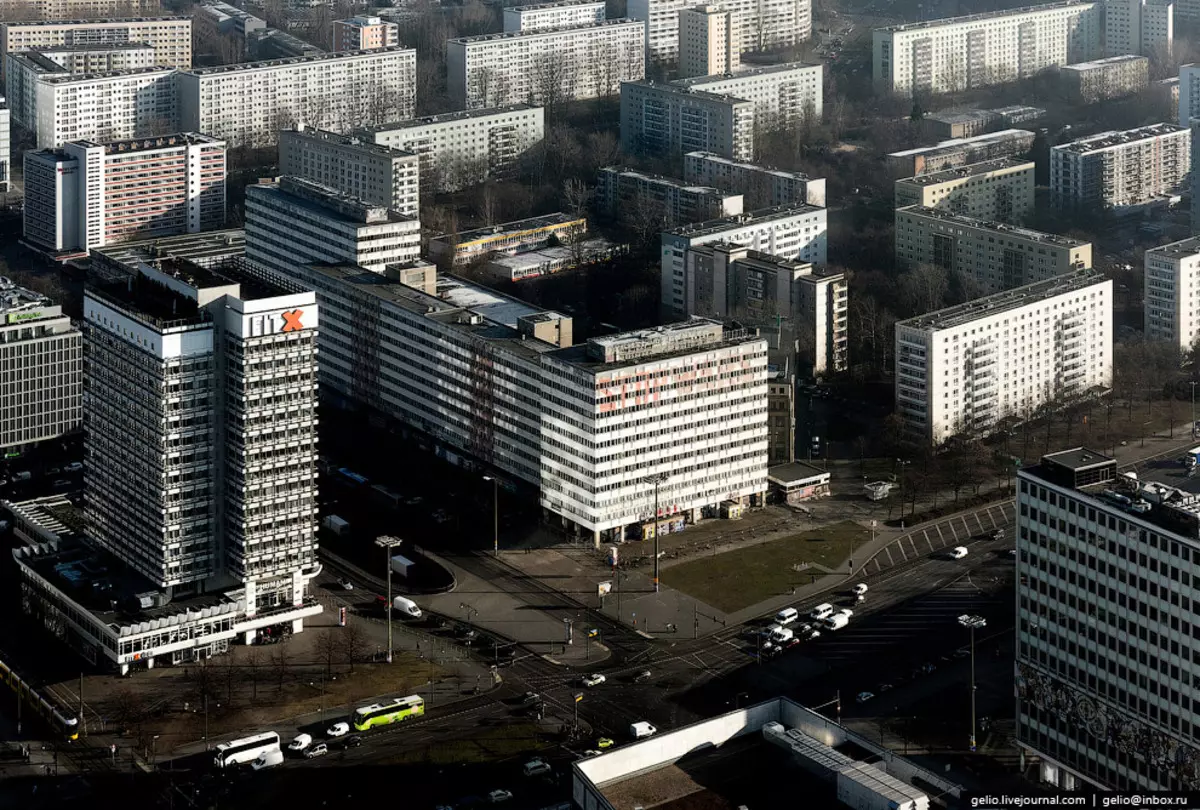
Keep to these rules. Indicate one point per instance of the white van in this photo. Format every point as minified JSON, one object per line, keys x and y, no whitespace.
{"x":787,"y":616}
{"x":958,"y":552}
{"x":641,"y":730}
{"x":822,"y":611}
{"x":406,"y":607}
{"x":267,"y":759}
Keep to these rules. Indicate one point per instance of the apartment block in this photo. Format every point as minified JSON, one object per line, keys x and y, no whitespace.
{"x":625,"y":192}
{"x":710,"y":40}
{"x":248,"y":104}
{"x":41,"y":370}
{"x":1189,"y":94}
{"x":72,"y":9}
{"x":228,"y":20}
{"x":1171,"y":286}
{"x":509,"y":238}
{"x":90,"y":194}
{"x":1102,"y":79}
{"x":941,"y":56}
{"x":1121,"y":169}
{"x":549,"y":16}
{"x":994,"y":255}
{"x":545,"y":67}
{"x":1104,"y":680}
{"x":1194,"y":128}
{"x":961,"y":370}
{"x":970,"y":123}
{"x":25,"y":71}
{"x":189,"y":543}
{"x":377,"y":175}
{"x":171,"y":37}
{"x":666,"y":119}
{"x":788,"y":232}
{"x":999,"y":190}
{"x":364,"y":33}
{"x":764,"y":24}
{"x":463,"y":148}
{"x":1145,"y":27}
{"x":5,"y":148}
{"x":103,"y":106}
{"x":960,"y":152}
{"x":293,"y":221}
{"x":271,"y":43}
{"x":760,"y":187}
{"x":733,"y":282}
{"x":782,"y":94}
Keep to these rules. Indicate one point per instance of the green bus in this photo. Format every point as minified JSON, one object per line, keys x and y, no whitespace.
{"x":381,"y":714}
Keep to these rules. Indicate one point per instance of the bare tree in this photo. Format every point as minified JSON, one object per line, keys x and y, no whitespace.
{"x":254,"y":664}
{"x":281,"y":662}
{"x":328,"y":650}
{"x":924,"y":288}
{"x":127,"y":709}
{"x":578,"y":197}
{"x":354,"y":644}
{"x":228,"y":676}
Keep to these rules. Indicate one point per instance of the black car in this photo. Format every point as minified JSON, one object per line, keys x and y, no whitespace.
{"x":531,"y":699}
{"x":354,"y":741}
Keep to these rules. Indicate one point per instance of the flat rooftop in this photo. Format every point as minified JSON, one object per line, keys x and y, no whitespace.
{"x":1109,"y":140}
{"x":350,"y":141}
{"x":660,"y":180}
{"x":1178,"y":250}
{"x":1111,"y":61}
{"x":198,"y":247}
{"x":999,"y":228}
{"x":654,"y":345}
{"x":100,"y":22}
{"x":559,"y":4}
{"x":748,"y":73}
{"x":1005,"y":301}
{"x":328,"y":202}
{"x":671,"y":87}
{"x":150,"y":144}
{"x":975,"y":140}
{"x":712,"y":157}
{"x":446,"y":118}
{"x":1078,"y":458}
{"x":549,"y":32}
{"x":987,"y":15}
{"x":749,"y":218}
{"x":66,"y":78}
{"x":269,"y":64}
{"x":15,"y":300}
{"x":518,"y":226}
{"x":794,"y":472}
{"x":746,"y":771}
{"x":969,"y":170}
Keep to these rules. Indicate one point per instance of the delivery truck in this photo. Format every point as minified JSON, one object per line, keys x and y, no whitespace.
{"x":406,"y":607}
{"x":337,"y":525}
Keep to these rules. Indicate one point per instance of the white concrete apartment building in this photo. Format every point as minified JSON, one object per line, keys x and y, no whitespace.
{"x":940,"y":56}
{"x":103,"y":106}
{"x":960,"y":152}
{"x":1106,"y":647}
{"x":462,"y":148}
{"x":377,"y":175}
{"x":757,"y":289}
{"x":999,"y":190}
{"x":710,"y":41}
{"x":626,"y":192}
{"x":1102,"y":79}
{"x":5,"y":147}
{"x":788,"y":232}
{"x":1171,"y":290}
{"x":89,"y":194}
{"x":1145,"y":27}
{"x":764,"y":24}
{"x":1189,"y":94}
{"x":248,"y":104}
{"x":545,"y":67}
{"x":364,"y":33}
{"x":74,"y":9}
{"x":293,"y":221}
{"x":666,"y":119}
{"x":171,"y":37}
{"x":549,"y":16}
{"x":760,"y":186}
{"x":24,"y":71}
{"x":782,"y":94}
{"x":1121,"y":170}
{"x":41,"y":370}
{"x":994,"y":255}
{"x":962,"y":369}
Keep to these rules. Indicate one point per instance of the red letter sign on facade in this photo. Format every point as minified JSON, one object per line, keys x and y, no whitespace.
{"x":291,"y":320}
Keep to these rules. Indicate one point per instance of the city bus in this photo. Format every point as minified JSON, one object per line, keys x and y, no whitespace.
{"x":245,"y":750}
{"x":381,"y":714}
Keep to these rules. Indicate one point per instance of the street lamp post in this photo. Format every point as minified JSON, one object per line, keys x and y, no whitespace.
{"x":972,"y":623}
{"x":468,"y":610}
{"x":495,"y":513}
{"x":656,"y":480}
{"x":387,"y":543}
{"x":1193,"y":407}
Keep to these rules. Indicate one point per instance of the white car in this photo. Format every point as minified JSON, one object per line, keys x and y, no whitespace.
{"x":338,"y":730}
{"x":594,"y":679}
{"x":301,"y":742}
{"x":958,"y":552}
{"x":863,"y":697}
{"x":346,"y":584}
{"x":497,"y":796}
{"x":860,"y":589}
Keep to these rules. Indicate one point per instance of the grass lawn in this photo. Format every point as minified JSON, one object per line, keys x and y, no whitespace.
{"x":743,"y":577}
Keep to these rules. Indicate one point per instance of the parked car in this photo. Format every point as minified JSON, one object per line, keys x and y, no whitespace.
{"x":318,"y":750}
{"x":497,"y":796}
{"x":73,"y":467}
{"x":536,"y":767}
{"x":604,"y":743}
{"x":354,"y":741}
{"x":338,"y":730}
{"x":863,"y":697}
{"x":595,"y":679}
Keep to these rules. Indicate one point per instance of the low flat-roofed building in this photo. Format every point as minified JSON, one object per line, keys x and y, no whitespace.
{"x":760,"y":186}
{"x":205,"y":249}
{"x":548,"y":260}
{"x":960,"y":151}
{"x":627,"y":192}
{"x":511,"y":238}
{"x":1102,"y":79}
{"x":797,"y":482}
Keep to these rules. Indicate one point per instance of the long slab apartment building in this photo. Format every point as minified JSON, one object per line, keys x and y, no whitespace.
{"x":545,"y":66}
{"x":461,"y":148}
{"x":1171,"y":290}
{"x":88,"y":194}
{"x":171,"y":37}
{"x":548,"y":16}
{"x":999,"y":190}
{"x":994,"y":255}
{"x":718,"y":114}
{"x":1121,"y":170}
{"x":763,"y":24}
{"x":940,"y":56}
{"x":375,"y":174}
{"x":961,"y":370}
{"x":625,"y":192}
{"x":761,"y":187}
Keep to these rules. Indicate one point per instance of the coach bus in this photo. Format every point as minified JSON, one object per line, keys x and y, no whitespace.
{"x":247,"y":749}
{"x":381,"y":714}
